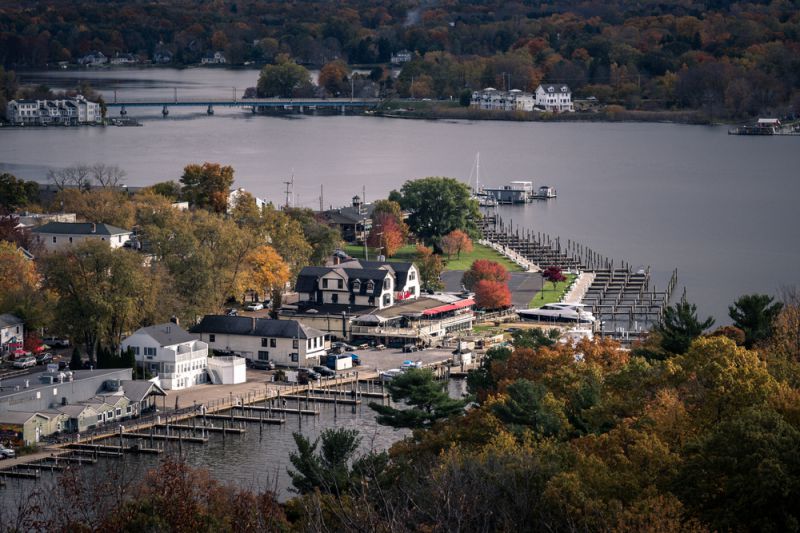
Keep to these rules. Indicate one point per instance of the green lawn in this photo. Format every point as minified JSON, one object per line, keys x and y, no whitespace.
{"x":549,"y":294}
{"x":407,"y":253}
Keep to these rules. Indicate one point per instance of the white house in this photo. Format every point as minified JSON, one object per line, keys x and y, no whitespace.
{"x":556,"y":98}
{"x":493,"y":100}
{"x":123,"y":59}
{"x":286,"y":342}
{"x":12,"y":332}
{"x":179,"y":359}
{"x":217,"y":58}
{"x":57,"y":235}
{"x":235,"y":194}
{"x":93,"y":58}
{"x":69,"y":111}
{"x":403,"y":56}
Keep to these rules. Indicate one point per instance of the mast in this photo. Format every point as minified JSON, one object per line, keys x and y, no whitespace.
{"x":477,"y":173}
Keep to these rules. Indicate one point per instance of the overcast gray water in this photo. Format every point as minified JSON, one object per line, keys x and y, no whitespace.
{"x":722,"y":209}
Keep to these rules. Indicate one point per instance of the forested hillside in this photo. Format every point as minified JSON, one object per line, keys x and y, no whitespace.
{"x":738,"y":57}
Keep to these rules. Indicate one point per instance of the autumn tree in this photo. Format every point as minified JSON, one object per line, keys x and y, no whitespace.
{"x":20,"y":291}
{"x":484,"y":269}
{"x":322,"y":238}
{"x":75,"y":176}
{"x":456,"y":242}
{"x":104,"y":205}
{"x":106,"y":176}
{"x":492,"y":294}
{"x":207,"y":185}
{"x":385,"y":234}
{"x":334,"y":77}
{"x":755,"y":314}
{"x":430,"y":268}
{"x":554,"y":275}
{"x":266,"y":271}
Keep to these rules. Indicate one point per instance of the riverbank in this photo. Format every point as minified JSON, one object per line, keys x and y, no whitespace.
{"x":447,"y":111}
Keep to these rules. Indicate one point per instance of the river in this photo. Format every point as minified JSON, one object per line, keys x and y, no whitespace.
{"x":721,"y":209}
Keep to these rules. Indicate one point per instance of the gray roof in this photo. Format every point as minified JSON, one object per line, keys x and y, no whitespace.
{"x":8,"y":387}
{"x":400,"y":269}
{"x":74,"y":410}
{"x":349,"y":214}
{"x":257,"y":327}
{"x":7,"y":320}
{"x":308,"y":279}
{"x":167,"y":334}
{"x":556,"y":87}
{"x":138,"y":390}
{"x":18,"y":417}
{"x":79,"y":228}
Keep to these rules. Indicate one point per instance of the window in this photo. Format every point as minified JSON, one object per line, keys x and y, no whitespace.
{"x":357,"y":285}
{"x":263,"y":355}
{"x":70,"y":239}
{"x":150,"y":352}
{"x":211,"y":338}
{"x":324,"y":283}
{"x":119,"y":411}
{"x":371,"y":300}
{"x":128,"y":409}
{"x":335,"y":298}
{"x":135,"y":349}
{"x":370,"y":286}
{"x":264,"y":343}
{"x":387,"y":283}
{"x":273,"y":343}
{"x":55,"y":391}
{"x":295,"y":344}
{"x":294,"y":357}
{"x":339,"y":284}
{"x":387,"y":299}
{"x":54,"y":239}
{"x":100,"y":418}
{"x":109,"y":415}
{"x":412,"y":276}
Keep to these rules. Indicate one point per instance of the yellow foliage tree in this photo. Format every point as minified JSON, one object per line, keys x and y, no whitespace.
{"x":267,"y":271}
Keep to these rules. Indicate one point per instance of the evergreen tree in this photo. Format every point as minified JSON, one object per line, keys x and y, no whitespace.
{"x":754,"y":314}
{"x":75,"y":362}
{"x":428,"y":401}
{"x":680,"y":326}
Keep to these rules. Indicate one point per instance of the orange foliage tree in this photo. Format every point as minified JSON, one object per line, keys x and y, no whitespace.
{"x":456,"y":242}
{"x":483,"y":269}
{"x":267,"y":271}
{"x":492,"y":294}
{"x":386,"y":234}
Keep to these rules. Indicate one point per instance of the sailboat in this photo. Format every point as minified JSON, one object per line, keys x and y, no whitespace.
{"x":484,"y":199}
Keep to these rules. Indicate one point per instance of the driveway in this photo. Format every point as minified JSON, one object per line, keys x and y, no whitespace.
{"x":523,"y":285}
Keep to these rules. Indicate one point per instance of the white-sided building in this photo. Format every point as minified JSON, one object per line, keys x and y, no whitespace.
{"x":358,"y":283}
{"x":491,"y":99}
{"x":57,"y":235}
{"x":68,"y":111}
{"x":554,"y":97}
{"x":179,"y":359}
{"x":403,"y":56}
{"x":286,"y":342}
{"x":12,"y":333}
{"x":217,"y":58}
{"x":235,"y":194}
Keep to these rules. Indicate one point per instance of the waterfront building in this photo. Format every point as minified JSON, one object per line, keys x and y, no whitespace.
{"x":286,"y":342}
{"x":12,"y":333}
{"x":30,"y":220}
{"x":57,"y":235}
{"x":93,"y":59}
{"x":556,"y":98}
{"x":167,"y":350}
{"x":123,"y":59}
{"x":354,"y":222}
{"x":217,"y":58}
{"x":67,"y":111}
{"x":493,"y":100}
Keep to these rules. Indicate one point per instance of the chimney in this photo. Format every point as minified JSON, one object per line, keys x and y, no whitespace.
{"x":174,"y":320}
{"x":94,"y":227}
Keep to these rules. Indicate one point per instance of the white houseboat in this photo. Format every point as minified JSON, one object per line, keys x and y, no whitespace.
{"x":558,"y":312}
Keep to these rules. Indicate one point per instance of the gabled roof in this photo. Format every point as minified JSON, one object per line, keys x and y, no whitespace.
{"x":400,"y":270}
{"x":138,"y":390}
{"x":307,"y":279}
{"x":256,"y":327}
{"x":19,"y":417}
{"x":80,"y":228}
{"x":7,"y":320}
{"x":167,"y":334}
{"x":75,"y":410}
{"x":555,"y":87}
{"x":349,"y":214}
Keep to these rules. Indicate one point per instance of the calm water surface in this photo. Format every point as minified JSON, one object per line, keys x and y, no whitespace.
{"x":719,"y":208}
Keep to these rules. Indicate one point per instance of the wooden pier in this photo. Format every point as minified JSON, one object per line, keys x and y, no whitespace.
{"x":119,"y":450}
{"x":240,"y":418}
{"x":323,"y":399}
{"x":203,"y":428}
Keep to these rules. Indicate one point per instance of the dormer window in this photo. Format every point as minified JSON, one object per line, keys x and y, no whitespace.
{"x":370,"y":286}
{"x":357,"y":285}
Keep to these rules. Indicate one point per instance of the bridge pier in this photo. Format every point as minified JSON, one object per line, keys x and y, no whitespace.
{"x":123,"y":111}
{"x":165,"y":111}
{"x":210,"y":110}
{"x":343,"y":108}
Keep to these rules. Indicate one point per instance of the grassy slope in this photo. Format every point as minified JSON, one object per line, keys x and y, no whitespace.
{"x":406,"y":253}
{"x":549,"y":294}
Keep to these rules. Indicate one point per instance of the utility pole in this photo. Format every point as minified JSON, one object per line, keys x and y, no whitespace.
{"x":351,"y":88}
{"x":289,"y":191}
{"x":321,"y":203}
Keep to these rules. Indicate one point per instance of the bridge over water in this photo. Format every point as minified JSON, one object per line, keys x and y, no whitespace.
{"x":254,"y":104}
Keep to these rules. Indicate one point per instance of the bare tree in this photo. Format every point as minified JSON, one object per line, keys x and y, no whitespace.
{"x":73,"y":176}
{"x":107,"y":176}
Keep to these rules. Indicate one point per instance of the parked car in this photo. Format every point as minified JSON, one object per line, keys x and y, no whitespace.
{"x":407,"y":364}
{"x":408,"y":348}
{"x":44,"y":358}
{"x":324,"y":371}
{"x":231,"y":311}
{"x":7,"y":453}
{"x":56,"y":342}
{"x":63,"y":365}
{"x":25,"y":362}
{"x":356,"y":359}
{"x":308,"y":373}
{"x":255,"y":306}
{"x":257,"y":364}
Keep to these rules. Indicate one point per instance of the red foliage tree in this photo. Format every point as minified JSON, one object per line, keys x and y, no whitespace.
{"x":483,"y":269}
{"x":492,"y":294}
{"x":386,"y":234}
{"x":31,"y":342}
{"x":456,"y":242}
{"x":554,"y":275}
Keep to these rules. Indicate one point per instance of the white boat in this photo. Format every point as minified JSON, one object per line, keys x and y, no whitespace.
{"x":545,"y":192}
{"x":389,"y":375}
{"x":558,"y":312}
{"x":575,"y":335}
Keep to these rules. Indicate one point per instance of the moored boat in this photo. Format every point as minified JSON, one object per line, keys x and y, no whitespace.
{"x":558,"y":312}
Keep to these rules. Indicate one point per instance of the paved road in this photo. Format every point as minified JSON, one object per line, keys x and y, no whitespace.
{"x":524,"y":285}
